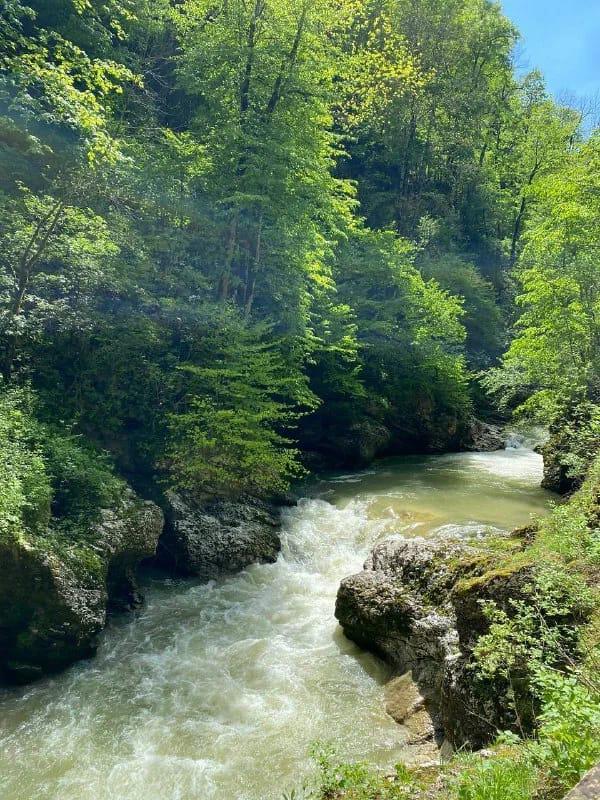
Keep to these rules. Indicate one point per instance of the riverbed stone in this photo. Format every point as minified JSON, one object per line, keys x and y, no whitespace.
{"x":402,"y":697}
{"x":406,"y":705}
{"x":55,"y":594}
{"x":218,"y":535}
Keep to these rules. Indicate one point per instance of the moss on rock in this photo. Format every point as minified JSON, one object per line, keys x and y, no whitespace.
{"x":55,"y":589}
{"x":421,"y":605}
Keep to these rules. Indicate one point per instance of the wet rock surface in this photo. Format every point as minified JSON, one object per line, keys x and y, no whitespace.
{"x":54,"y":599}
{"x":218,"y":536}
{"x":405,"y":704}
{"x":484,"y":437}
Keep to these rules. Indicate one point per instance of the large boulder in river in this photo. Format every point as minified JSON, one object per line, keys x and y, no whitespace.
{"x":418,"y":603}
{"x":362,"y":442}
{"x":483,"y":437}
{"x":55,"y":589}
{"x":395,"y":607}
{"x":218,"y":535}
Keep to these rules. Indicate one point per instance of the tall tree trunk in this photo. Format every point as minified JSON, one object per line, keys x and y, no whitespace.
{"x":518,"y":224}
{"x":516,"y":234}
{"x":287,"y":63}
{"x":259,"y":7}
{"x":31,"y":255}
{"x":225,"y":278}
{"x":250,"y":290}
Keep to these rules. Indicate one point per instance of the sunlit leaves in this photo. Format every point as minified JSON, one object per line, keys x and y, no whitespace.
{"x":557,"y":347}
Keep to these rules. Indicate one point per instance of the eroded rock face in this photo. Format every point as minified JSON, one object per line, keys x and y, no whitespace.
{"x":363,"y":442}
{"x":128,"y":537}
{"x":417,"y":603}
{"x":54,"y":597}
{"x":390,"y":608}
{"x":218,"y":536}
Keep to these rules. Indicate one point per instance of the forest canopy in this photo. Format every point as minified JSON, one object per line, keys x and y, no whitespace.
{"x":235,"y":235}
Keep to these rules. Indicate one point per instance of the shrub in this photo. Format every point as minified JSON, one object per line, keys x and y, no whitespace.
{"x":504,"y":778}
{"x":358,"y":781}
{"x":569,"y":738}
{"x":45,"y":473}
{"x":82,"y":479}
{"x":229,"y":433}
{"x":26,"y":489}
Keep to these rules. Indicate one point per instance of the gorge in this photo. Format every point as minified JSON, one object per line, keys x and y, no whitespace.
{"x":219,"y":689}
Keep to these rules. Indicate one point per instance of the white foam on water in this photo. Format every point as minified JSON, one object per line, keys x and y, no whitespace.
{"x":217,"y":691}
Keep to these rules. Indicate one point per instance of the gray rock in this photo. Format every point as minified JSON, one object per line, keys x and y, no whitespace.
{"x":589,"y":788}
{"x":406,"y":607}
{"x":55,"y":593}
{"x":218,"y":536}
{"x":364,"y":441}
{"x":405,"y":704}
{"x":483,"y":437}
{"x":390,"y":609}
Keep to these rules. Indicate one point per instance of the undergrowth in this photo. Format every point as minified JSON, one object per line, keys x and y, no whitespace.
{"x":53,"y":485}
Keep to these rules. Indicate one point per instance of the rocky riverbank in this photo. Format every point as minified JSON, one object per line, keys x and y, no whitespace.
{"x":59,"y":587}
{"x":62,"y":577}
{"x":427,"y":607}
{"x":55,"y":592}
{"x":419,"y":604}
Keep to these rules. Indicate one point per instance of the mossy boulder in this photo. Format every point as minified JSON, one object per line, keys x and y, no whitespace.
{"x":556,"y":471}
{"x":419,"y":604}
{"x":569,"y":451}
{"x":363,"y":441}
{"x":475,"y":707}
{"x":56,"y":588}
{"x":396,"y":608}
{"x":503,"y":586}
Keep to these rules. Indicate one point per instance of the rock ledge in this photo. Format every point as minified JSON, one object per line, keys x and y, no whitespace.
{"x":218,"y":536}
{"x":418,"y":604}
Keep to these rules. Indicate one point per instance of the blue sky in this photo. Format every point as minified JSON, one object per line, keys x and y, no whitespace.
{"x":562,"y":38}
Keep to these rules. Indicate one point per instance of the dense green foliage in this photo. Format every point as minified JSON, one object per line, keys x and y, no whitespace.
{"x":235,"y":233}
{"x":184,"y":268}
{"x":26,"y":494}
{"x":50,"y":479}
{"x":551,"y":370}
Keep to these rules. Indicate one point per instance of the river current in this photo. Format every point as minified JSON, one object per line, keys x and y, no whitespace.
{"x":218,"y":691}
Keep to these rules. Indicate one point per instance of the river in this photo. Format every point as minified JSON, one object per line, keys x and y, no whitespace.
{"x":218,"y":691}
